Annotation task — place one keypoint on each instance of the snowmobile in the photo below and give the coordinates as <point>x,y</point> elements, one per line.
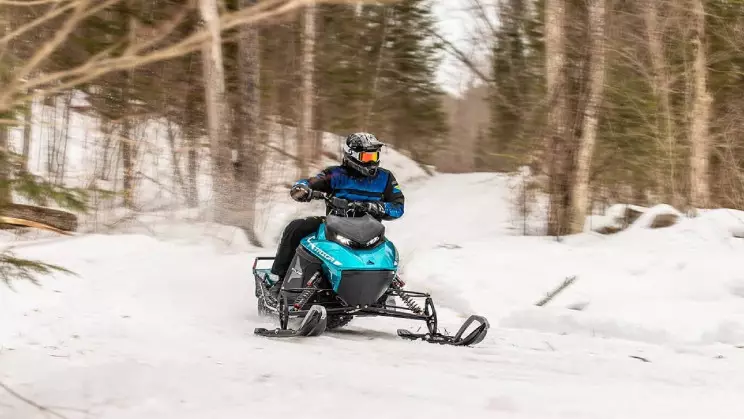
<point>347,269</point>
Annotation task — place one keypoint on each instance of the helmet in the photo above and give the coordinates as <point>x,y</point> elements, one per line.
<point>362,153</point>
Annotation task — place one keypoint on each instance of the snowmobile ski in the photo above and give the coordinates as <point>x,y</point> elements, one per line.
<point>314,324</point>
<point>472,338</point>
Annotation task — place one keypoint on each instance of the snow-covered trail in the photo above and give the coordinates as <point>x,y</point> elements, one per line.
<point>155,329</point>
<point>151,330</point>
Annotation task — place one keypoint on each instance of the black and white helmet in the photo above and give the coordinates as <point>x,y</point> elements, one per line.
<point>362,153</point>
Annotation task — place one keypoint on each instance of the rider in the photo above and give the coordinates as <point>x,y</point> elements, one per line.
<point>359,180</point>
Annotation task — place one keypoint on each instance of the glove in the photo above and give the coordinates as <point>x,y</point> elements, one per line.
<point>375,209</point>
<point>301,192</point>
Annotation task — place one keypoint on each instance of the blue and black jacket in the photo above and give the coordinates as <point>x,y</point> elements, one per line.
<point>382,187</point>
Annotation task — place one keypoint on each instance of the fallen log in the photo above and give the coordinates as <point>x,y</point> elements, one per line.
<point>18,222</point>
<point>38,217</point>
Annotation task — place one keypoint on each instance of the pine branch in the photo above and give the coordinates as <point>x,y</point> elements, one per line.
<point>40,191</point>
<point>12,268</point>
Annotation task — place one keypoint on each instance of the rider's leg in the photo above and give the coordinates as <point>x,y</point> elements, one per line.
<point>293,233</point>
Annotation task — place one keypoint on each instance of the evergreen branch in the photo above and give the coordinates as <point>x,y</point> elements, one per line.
<point>12,268</point>
<point>40,191</point>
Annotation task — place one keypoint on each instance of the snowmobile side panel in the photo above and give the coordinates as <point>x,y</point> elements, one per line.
<point>302,267</point>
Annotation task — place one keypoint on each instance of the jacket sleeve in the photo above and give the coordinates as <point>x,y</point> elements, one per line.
<point>393,199</point>
<point>320,182</point>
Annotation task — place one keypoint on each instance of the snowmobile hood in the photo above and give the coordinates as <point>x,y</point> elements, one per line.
<point>361,230</point>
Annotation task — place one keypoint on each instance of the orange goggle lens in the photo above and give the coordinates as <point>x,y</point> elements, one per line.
<point>369,156</point>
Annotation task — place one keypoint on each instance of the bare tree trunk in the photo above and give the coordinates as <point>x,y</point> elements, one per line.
<point>216,105</point>
<point>661,87</point>
<point>580,195</point>
<point>308,89</point>
<point>190,121</point>
<point>555,55</point>
<point>5,193</point>
<point>27,123</point>
<point>178,182</point>
<point>107,131</point>
<point>247,167</point>
<point>700,117</point>
<point>126,143</point>
<point>62,154</point>
<point>58,144</point>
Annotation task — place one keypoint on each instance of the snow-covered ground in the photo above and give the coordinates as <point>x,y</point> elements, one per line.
<point>158,323</point>
<point>157,328</point>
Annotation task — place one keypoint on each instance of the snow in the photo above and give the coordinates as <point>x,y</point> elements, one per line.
<point>153,327</point>
<point>158,320</point>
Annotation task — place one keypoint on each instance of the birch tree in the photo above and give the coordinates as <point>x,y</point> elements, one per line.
<point>304,136</point>
<point>590,123</point>
<point>216,107</point>
<point>661,86</point>
<point>247,126</point>
<point>554,159</point>
<point>700,114</point>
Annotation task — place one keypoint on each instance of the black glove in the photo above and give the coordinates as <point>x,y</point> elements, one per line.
<point>375,209</point>
<point>301,192</point>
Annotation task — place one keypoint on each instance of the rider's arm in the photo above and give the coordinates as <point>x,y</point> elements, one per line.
<point>393,199</point>
<point>321,182</point>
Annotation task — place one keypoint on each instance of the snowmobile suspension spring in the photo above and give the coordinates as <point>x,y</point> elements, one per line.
<point>410,303</point>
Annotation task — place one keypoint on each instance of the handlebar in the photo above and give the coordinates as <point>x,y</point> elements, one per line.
<point>339,206</point>
<point>318,195</point>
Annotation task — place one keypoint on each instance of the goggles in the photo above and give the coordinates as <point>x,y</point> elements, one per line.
<point>367,156</point>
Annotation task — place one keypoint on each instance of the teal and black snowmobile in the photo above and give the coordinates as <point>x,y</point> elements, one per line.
<point>347,269</point>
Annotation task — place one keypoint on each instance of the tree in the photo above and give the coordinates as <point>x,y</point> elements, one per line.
<point>247,164</point>
<point>305,129</point>
<point>409,105</point>
<point>216,105</point>
<point>556,154</point>
<point>580,194</point>
<point>700,114</point>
